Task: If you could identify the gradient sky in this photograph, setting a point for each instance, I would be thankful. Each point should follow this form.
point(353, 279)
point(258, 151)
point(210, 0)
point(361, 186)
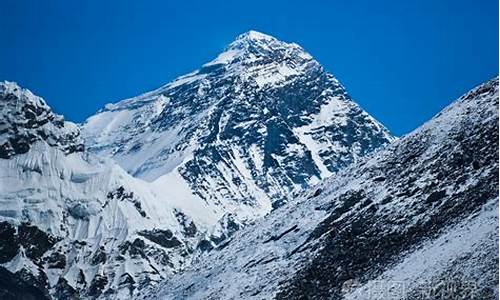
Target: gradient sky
point(402, 61)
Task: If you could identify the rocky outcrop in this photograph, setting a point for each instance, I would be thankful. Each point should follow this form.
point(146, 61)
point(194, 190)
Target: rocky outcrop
point(26, 118)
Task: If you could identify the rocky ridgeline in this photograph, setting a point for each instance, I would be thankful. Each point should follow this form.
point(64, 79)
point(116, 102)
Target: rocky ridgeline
point(26, 118)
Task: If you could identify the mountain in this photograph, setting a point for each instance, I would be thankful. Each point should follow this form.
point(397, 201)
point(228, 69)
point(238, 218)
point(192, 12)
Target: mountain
point(76, 225)
point(417, 220)
point(260, 123)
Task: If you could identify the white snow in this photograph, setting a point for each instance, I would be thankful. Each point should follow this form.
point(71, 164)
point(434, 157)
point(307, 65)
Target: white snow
point(274, 75)
point(186, 79)
point(225, 57)
point(332, 112)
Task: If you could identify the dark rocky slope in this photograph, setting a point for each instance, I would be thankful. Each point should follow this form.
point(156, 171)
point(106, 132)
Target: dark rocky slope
point(417, 220)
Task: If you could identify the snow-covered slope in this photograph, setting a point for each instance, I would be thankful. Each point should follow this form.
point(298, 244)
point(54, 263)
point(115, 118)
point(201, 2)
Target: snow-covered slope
point(417, 220)
point(260, 122)
point(73, 224)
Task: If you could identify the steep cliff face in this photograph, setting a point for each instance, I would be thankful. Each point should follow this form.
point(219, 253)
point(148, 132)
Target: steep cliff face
point(417, 220)
point(259, 123)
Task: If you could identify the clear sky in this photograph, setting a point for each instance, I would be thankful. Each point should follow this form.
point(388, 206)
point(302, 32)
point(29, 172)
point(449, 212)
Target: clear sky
point(401, 60)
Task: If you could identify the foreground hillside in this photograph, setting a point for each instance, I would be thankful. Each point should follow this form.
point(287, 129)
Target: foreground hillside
point(417, 220)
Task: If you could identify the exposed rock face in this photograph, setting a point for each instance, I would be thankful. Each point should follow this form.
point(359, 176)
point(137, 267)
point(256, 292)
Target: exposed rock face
point(417, 220)
point(26, 118)
point(14, 287)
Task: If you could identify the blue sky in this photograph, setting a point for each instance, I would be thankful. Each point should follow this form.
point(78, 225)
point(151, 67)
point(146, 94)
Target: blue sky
point(402, 61)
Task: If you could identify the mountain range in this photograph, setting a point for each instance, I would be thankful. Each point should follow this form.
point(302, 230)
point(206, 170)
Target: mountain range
point(255, 177)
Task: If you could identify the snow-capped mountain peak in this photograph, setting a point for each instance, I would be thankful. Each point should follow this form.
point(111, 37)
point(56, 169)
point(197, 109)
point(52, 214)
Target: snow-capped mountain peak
point(259, 123)
point(253, 48)
point(253, 35)
point(252, 39)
